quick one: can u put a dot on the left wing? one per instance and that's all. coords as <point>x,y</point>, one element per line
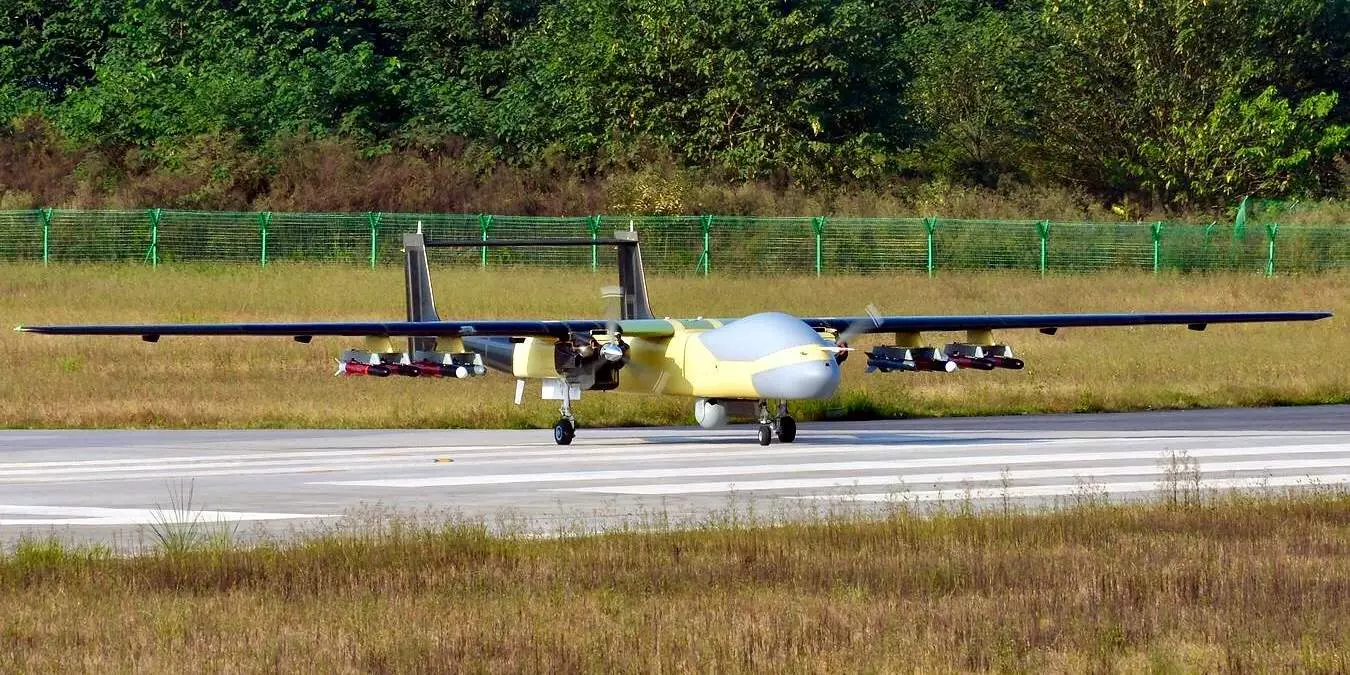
<point>1048,323</point>
<point>304,331</point>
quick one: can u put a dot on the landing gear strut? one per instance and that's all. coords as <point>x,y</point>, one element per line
<point>783,424</point>
<point>565,429</point>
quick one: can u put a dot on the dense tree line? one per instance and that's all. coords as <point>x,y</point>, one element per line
<point>1174,102</point>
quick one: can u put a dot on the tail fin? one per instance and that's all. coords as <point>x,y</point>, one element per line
<point>631,278</point>
<point>417,282</point>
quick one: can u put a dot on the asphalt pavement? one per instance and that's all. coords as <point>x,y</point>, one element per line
<point>119,486</point>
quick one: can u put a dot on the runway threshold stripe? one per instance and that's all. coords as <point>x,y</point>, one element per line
<point>1153,456</point>
<point>1032,491</point>
<point>341,458</point>
<point>84,515</point>
<point>924,479</point>
<point>259,455</point>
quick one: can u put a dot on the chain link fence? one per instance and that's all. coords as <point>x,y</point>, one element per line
<point>677,244</point>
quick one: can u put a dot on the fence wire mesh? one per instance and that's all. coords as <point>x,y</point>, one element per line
<point>677,244</point>
<point>21,235</point>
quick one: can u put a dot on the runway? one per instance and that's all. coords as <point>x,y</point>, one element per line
<point>111,486</point>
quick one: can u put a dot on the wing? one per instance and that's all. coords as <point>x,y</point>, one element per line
<point>1049,323</point>
<point>304,331</point>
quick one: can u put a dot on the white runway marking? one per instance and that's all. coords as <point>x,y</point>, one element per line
<point>1075,476</point>
<point>87,515</point>
<point>1152,457</point>
<point>103,481</point>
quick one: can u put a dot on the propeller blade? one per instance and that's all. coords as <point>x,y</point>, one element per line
<point>613,296</point>
<point>859,325</point>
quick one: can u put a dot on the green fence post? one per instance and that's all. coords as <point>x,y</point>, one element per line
<point>1271,230</point>
<point>264,221</point>
<point>1157,244</point>
<point>1240,220</point>
<point>818,227</point>
<point>929,227</point>
<point>705,258</point>
<point>1043,229</point>
<point>593,225</point>
<point>152,254</point>
<point>373,218</point>
<point>484,224</point>
<point>45,217</point>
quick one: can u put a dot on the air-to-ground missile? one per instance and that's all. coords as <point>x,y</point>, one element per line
<point>358,368</point>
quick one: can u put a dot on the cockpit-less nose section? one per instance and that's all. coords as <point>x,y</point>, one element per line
<point>747,367</point>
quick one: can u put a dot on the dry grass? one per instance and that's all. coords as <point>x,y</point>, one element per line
<point>1224,584</point>
<point>221,382</point>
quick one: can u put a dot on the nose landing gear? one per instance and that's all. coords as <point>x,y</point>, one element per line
<point>782,424</point>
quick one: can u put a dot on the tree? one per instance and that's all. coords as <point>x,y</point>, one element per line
<point>972,92</point>
<point>810,89</point>
<point>1179,99</point>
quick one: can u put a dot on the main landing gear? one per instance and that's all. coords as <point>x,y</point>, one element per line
<point>782,424</point>
<point>565,429</point>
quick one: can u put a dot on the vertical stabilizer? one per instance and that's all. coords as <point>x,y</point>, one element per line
<point>417,282</point>
<point>631,279</point>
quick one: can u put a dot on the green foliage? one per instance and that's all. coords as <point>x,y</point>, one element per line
<point>809,89</point>
<point>1173,102</point>
<point>178,68</point>
<point>972,92</point>
<point>1260,145</point>
<point>1181,99</point>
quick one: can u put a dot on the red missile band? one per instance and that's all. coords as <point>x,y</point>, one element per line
<point>432,369</point>
<point>405,370</point>
<point>358,368</point>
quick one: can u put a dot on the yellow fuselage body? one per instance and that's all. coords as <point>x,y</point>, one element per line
<point>679,365</point>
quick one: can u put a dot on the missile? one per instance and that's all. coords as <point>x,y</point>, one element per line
<point>1006,362</point>
<point>405,369</point>
<point>943,366</point>
<point>433,369</point>
<point>358,368</point>
<point>932,359</point>
<point>886,365</point>
<point>971,362</point>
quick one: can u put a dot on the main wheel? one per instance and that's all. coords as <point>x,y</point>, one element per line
<point>564,431</point>
<point>765,434</point>
<point>787,429</point>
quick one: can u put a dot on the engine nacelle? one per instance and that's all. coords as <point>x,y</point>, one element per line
<point>714,413</point>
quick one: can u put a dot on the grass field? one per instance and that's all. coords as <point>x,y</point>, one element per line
<point>260,382</point>
<point>1202,584</point>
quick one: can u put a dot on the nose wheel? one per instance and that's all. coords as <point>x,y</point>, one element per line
<point>765,434</point>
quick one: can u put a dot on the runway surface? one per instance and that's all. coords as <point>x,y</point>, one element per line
<point>111,485</point>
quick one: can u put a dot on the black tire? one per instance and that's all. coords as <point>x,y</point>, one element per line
<point>564,432</point>
<point>787,429</point>
<point>765,434</point>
